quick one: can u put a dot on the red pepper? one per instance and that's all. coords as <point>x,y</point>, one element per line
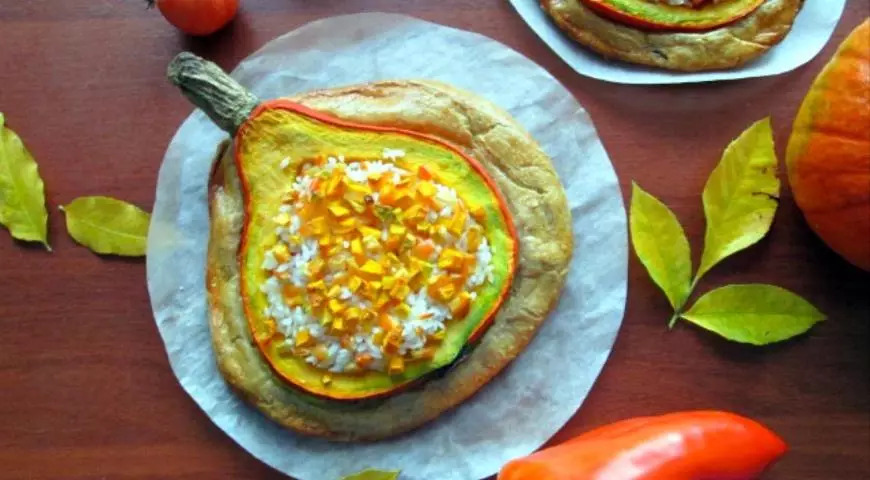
<point>701,445</point>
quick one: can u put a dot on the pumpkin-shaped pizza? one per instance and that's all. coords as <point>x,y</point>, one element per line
<point>684,35</point>
<point>377,252</point>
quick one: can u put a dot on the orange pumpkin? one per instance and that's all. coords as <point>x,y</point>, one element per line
<point>828,156</point>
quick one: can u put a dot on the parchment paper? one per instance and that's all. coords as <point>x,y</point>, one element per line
<point>528,402</point>
<point>812,29</point>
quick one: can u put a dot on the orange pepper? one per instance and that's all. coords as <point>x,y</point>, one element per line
<point>700,445</point>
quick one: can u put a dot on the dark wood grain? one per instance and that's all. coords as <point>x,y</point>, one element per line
<point>86,391</point>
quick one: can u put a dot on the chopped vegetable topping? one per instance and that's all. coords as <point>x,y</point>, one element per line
<point>370,264</point>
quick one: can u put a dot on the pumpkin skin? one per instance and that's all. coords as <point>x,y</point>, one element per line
<point>828,157</point>
<point>660,16</point>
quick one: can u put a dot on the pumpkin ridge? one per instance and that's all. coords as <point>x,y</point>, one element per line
<point>841,135</point>
<point>855,203</point>
<point>838,170</point>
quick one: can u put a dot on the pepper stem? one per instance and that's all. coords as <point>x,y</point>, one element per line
<point>224,100</point>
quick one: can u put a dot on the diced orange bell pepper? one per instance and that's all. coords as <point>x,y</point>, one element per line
<point>478,213</point>
<point>396,366</point>
<point>424,173</point>
<point>303,338</point>
<point>473,238</point>
<point>316,226</point>
<point>423,250</point>
<point>426,189</point>
<point>333,187</point>
<point>336,208</point>
<point>372,267</point>
<point>282,219</point>
<point>388,195</point>
<point>460,305</point>
<point>457,222</point>
<point>364,360</point>
<point>281,253</point>
<point>266,332</point>
<point>386,322</point>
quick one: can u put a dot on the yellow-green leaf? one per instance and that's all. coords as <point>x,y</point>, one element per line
<point>661,245</point>
<point>22,194</point>
<point>741,196</point>
<point>756,314</point>
<point>373,475</point>
<point>107,226</point>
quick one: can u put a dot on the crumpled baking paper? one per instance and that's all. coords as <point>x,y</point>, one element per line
<point>524,405</point>
<point>812,29</point>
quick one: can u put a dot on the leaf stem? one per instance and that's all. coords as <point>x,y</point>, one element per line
<point>679,310</point>
<point>673,320</point>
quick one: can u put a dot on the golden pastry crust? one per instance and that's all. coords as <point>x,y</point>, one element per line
<point>535,197</point>
<point>722,48</point>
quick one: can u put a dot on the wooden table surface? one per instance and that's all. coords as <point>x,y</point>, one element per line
<point>86,391</point>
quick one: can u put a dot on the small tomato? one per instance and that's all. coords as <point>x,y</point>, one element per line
<point>197,17</point>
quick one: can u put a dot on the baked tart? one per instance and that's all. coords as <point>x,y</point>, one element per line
<point>683,35</point>
<point>377,253</point>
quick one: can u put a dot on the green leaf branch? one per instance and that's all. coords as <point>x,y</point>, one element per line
<point>740,201</point>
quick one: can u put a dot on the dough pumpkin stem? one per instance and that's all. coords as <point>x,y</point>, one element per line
<point>227,103</point>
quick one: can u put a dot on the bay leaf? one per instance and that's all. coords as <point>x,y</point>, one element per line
<point>661,245</point>
<point>374,475</point>
<point>22,193</point>
<point>756,314</point>
<point>108,226</point>
<point>741,196</point>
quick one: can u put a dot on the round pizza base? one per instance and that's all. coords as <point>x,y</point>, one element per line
<point>722,48</point>
<point>537,202</point>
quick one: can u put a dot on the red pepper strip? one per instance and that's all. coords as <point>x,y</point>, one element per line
<point>680,446</point>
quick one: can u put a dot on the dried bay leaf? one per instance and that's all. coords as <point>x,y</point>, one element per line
<point>22,193</point>
<point>661,245</point>
<point>373,475</point>
<point>108,226</point>
<point>741,196</point>
<point>756,314</point>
